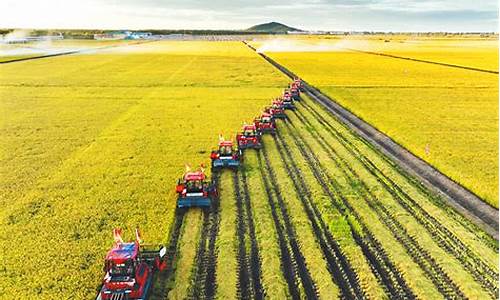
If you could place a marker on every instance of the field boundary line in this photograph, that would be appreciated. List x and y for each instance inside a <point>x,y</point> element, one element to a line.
<point>422,61</point>
<point>460,198</point>
<point>68,53</point>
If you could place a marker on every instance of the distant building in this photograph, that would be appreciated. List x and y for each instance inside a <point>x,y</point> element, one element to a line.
<point>297,32</point>
<point>115,35</point>
<point>122,35</point>
<point>139,35</point>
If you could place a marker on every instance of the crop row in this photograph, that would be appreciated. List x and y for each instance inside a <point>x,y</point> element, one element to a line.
<point>417,252</point>
<point>388,274</point>
<point>443,237</point>
<point>249,274</point>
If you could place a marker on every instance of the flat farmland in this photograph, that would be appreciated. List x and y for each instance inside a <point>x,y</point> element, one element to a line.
<point>467,52</point>
<point>445,115</point>
<point>95,141</point>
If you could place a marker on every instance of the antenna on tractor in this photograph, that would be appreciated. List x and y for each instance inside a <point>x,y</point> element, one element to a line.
<point>117,236</point>
<point>138,236</point>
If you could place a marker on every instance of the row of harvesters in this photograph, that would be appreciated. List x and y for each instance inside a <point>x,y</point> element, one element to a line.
<point>194,190</point>
<point>130,266</point>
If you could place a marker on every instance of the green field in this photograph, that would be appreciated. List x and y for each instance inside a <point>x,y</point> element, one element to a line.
<point>99,141</point>
<point>447,116</point>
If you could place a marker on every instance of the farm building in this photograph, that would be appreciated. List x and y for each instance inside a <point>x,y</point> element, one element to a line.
<point>122,35</point>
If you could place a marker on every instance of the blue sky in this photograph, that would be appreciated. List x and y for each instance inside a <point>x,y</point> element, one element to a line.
<point>383,15</point>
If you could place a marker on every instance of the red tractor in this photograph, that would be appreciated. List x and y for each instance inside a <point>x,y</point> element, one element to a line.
<point>277,109</point>
<point>298,83</point>
<point>250,137</point>
<point>226,156</point>
<point>294,91</point>
<point>288,100</point>
<point>265,123</point>
<point>195,190</point>
<point>129,268</point>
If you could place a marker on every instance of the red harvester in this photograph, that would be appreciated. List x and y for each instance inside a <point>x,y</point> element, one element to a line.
<point>288,100</point>
<point>265,123</point>
<point>129,268</point>
<point>250,137</point>
<point>294,91</point>
<point>299,84</point>
<point>277,109</point>
<point>226,156</point>
<point>195,190</point>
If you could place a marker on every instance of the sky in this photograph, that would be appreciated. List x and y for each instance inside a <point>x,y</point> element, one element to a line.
<point>359,15</point>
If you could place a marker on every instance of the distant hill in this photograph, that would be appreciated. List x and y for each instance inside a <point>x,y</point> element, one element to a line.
<point>272,27</point>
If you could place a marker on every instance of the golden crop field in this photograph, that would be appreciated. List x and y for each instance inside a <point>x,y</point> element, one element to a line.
<point>447,116</point>
<point>95,141</point>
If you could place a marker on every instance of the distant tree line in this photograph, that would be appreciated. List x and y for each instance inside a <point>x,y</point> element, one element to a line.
<point>89,33</point>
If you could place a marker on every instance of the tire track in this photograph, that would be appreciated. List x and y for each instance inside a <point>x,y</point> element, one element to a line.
<point>254,256</point>
<point>303,272</point>
<point>199,271</point>
<point>385,271</point>
<point>162,291</point>
<point>480,271</point>
<point>204,285</point>
<point>437,201</point>
<point>419,255</point>
<point>287,265</point>
<point>338,264</point>
<point>243,289</point>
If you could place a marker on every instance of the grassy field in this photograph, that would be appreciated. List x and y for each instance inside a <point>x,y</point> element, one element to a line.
<point>90,142</point>
<point>447,116</point>
<point>100,140</point>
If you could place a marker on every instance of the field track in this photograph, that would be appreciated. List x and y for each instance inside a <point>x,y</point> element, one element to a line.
<point>457,196</point>
<point>288,241</point>
<point>338,264</point>
<point>440,234</point>
<point>204,284</point>
<point>249,263</point>
<point>423,61</point>
<point>67,53</point>
<point>39,56</point>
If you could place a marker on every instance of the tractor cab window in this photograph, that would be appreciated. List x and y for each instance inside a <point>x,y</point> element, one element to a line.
<point>194,186</point>
<point>225,150</point>
<point>248,132</point>
<point>121,269</point>
<point>222,150</point>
